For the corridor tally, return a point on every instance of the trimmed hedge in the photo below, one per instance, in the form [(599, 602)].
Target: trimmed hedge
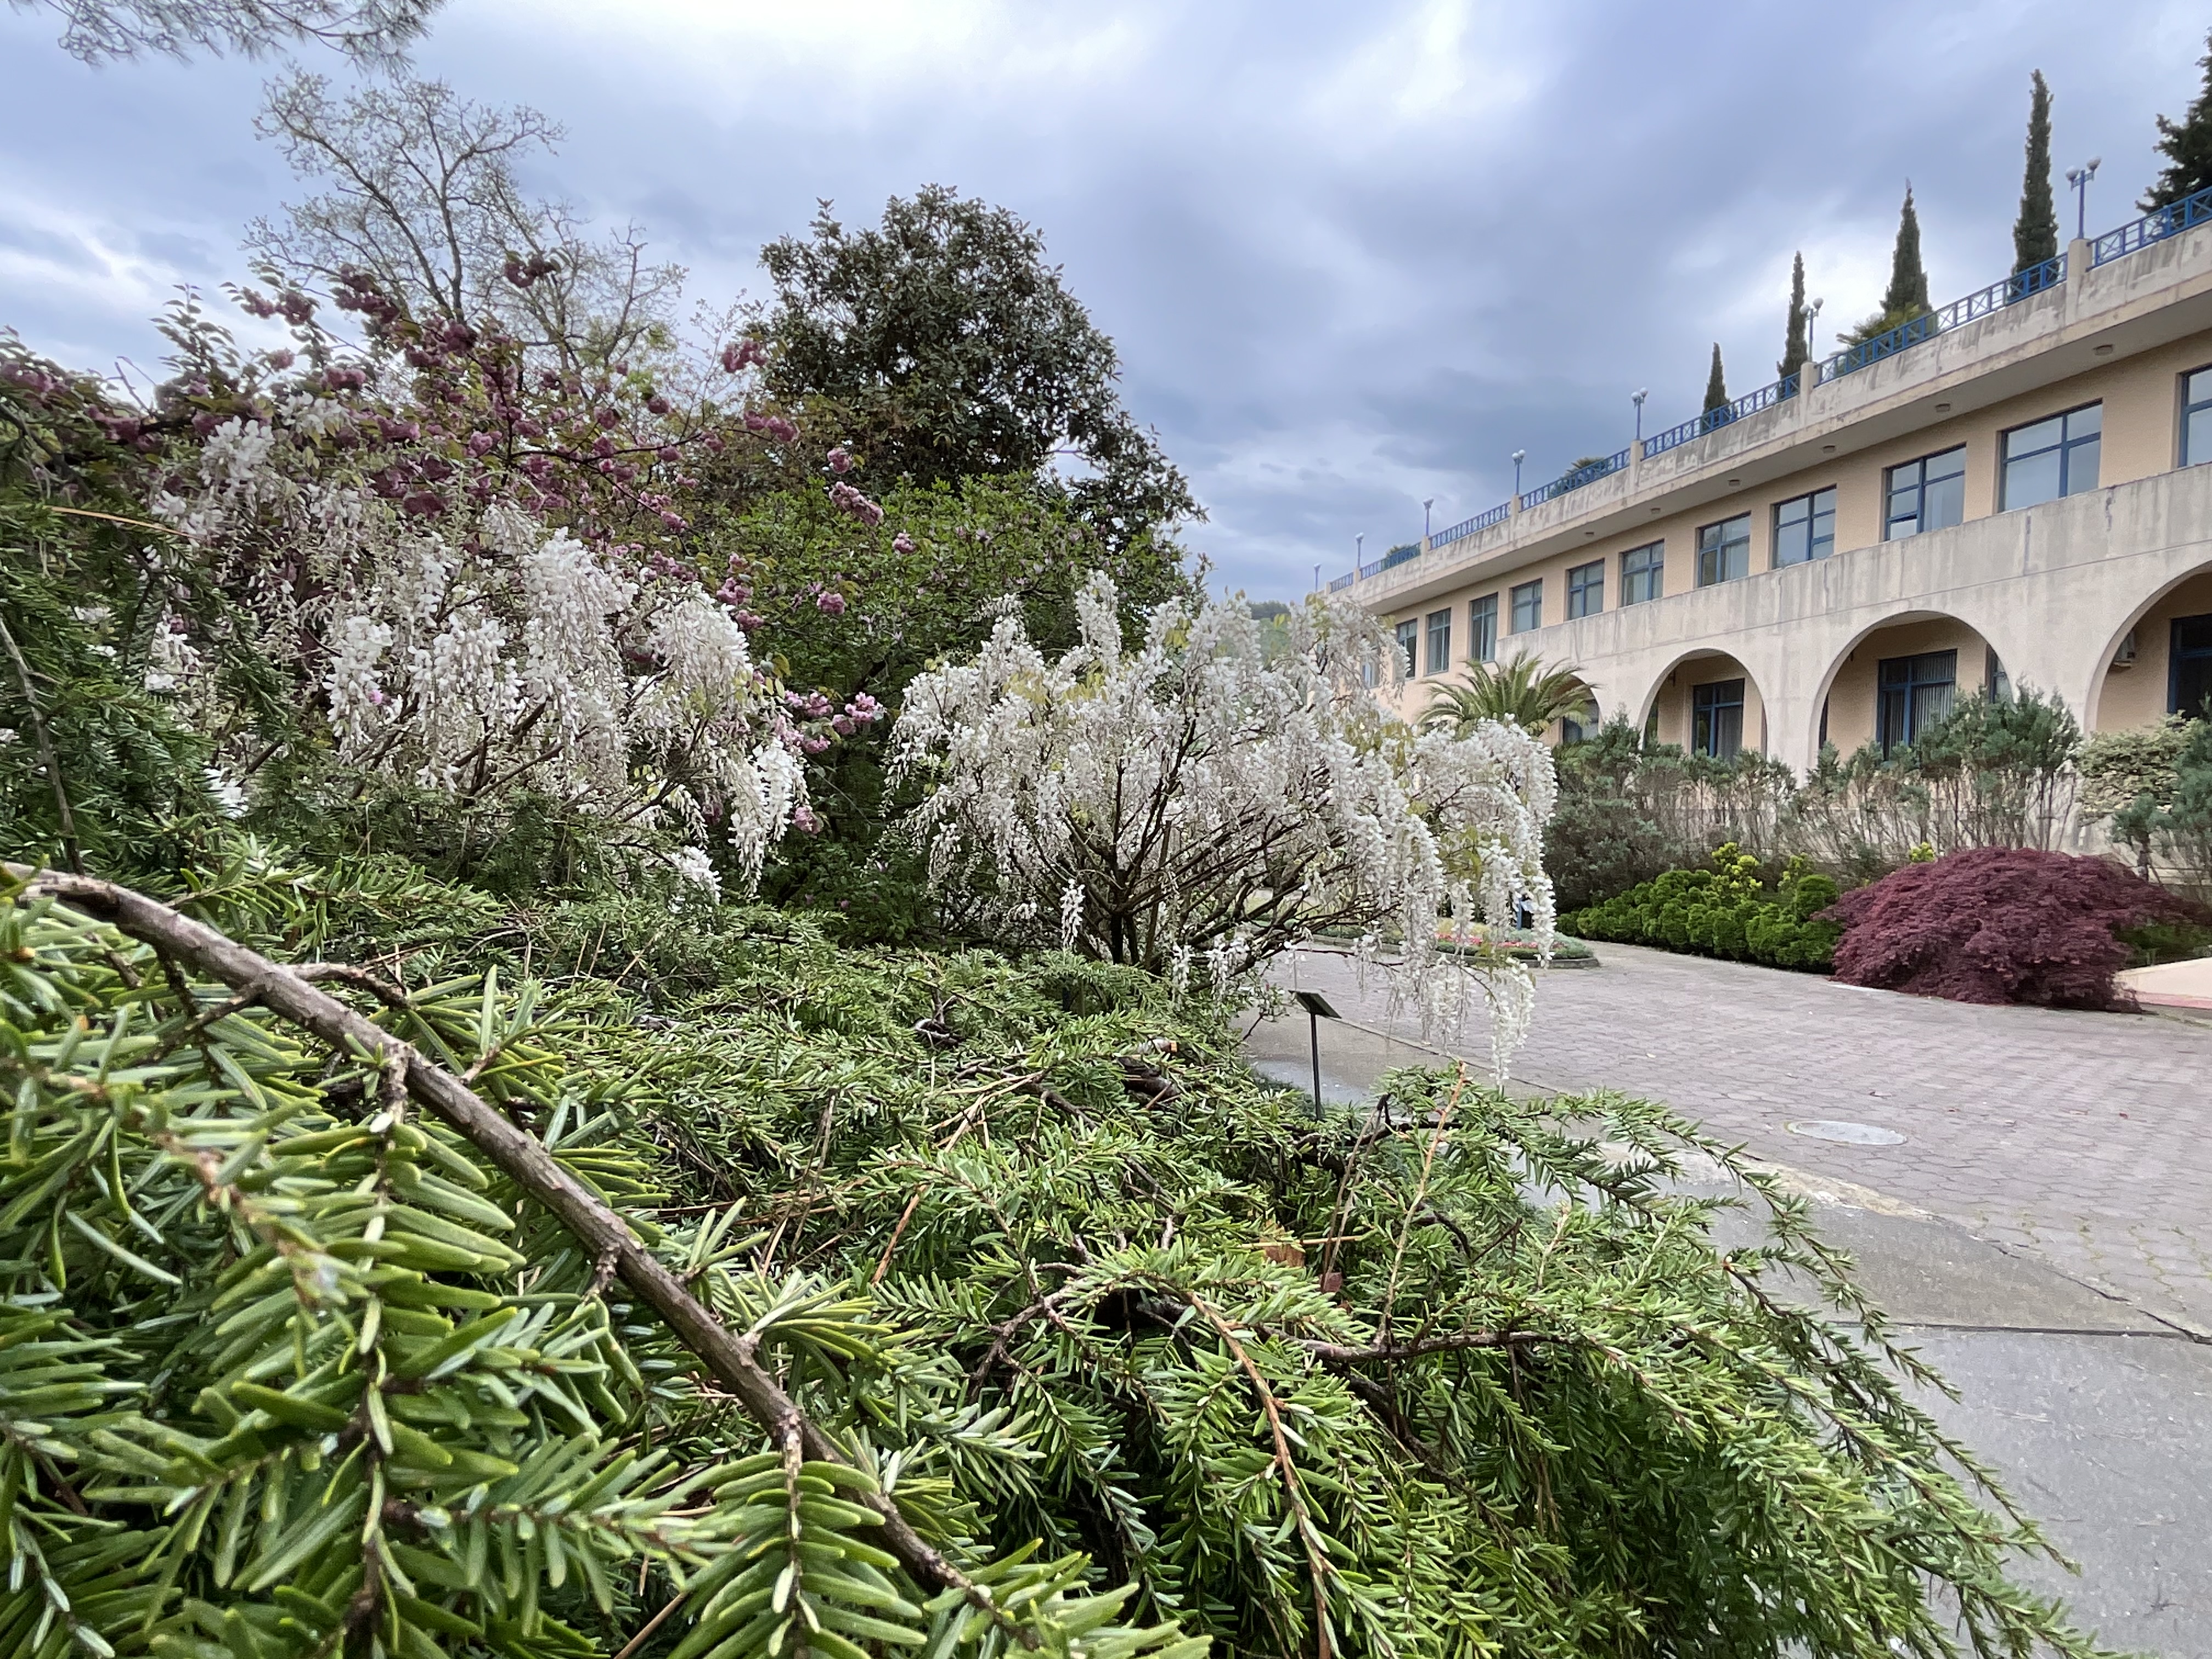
[(1724, 911)]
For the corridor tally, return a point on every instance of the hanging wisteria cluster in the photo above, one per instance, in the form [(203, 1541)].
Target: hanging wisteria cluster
[(1198, 799), (481, 572)]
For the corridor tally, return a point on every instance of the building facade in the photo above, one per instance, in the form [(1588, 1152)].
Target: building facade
[(2010, 493)]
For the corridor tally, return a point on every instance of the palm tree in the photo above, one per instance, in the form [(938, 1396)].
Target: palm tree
[(1521, 692)]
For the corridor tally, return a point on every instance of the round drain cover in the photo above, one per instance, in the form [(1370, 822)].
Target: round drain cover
[(1852, 1134)]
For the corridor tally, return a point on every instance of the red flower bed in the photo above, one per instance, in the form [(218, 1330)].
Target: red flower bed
[(1996, 925)]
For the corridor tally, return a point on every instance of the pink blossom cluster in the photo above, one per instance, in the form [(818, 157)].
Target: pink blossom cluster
[(774, 425), (862, 710), (847, 499), (741, 354)]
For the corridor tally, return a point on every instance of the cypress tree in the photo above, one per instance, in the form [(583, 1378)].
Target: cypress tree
[(1716, 385), (1907, 297), (1796, 346), (2187, 147), (2035, 233)]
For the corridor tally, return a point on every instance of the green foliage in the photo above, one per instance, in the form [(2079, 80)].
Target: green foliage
[(1993, 772), (947, 349), (287, 1369), (1629, 811), (2186, 144), (1906, 296), (1796, 346), (1521, 692), (2035, 233), (1724, 911), (1716, 395), (1095, 1305), (2176, 829)]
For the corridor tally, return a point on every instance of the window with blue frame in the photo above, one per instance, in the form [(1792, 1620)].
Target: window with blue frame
[(1586, 589), (1528, 606), (1914, 693), (1643, 573), (2189, 667), (1716, 719), (1482, 629), (1409, 640), (1929, 493), (2196, 417), (1724, 551), (1805, 528), (1439, 641), (2052, 457)]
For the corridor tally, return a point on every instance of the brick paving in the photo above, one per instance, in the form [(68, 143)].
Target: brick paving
[(2081, 1140)]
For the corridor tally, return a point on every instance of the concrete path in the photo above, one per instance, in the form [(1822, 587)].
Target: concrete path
[(2041, 1231), (2084, 1140)]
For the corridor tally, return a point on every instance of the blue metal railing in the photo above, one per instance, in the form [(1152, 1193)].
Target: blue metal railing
[(1473, 526), (1714, 419), (2153, 227), (1982, 303), (1575, 478)]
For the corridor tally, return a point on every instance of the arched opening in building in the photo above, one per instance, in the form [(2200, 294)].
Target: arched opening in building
[(1899, 677), (2161, 663), (1709, 704)]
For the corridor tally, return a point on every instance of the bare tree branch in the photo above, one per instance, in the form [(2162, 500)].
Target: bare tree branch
[(373, 33), (420, 191)]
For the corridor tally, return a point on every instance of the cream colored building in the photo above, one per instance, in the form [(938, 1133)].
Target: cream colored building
[(2012, 494)]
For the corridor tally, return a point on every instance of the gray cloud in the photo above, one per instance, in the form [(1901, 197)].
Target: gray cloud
[(1352, 257)]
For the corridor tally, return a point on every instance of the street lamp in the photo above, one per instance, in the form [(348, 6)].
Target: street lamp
[(1317, 1010), (2080, 178), (1425, 505), (1519, 456), (1357, 543), (1637, 397), (1813, 328)]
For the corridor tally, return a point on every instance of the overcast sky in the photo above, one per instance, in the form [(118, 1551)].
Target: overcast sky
[(1352, 256)]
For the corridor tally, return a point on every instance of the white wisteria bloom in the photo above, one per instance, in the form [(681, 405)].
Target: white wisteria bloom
[(1208, 796), (485, 654)]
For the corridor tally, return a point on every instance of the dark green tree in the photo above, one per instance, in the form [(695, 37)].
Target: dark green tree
[(1907, 297), (1907, 294), (946, 348), (2187, 146), (1797, 345), (2035, 233), (1715, 384)]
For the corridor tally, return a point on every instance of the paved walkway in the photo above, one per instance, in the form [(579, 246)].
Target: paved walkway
[(2081, 1140)]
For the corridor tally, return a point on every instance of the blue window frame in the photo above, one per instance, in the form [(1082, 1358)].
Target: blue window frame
[(1586, 589), (1929, 493), (1643, 573), (1716, 719), (2052, 457), (2196, 417), (1528, 606), (1724, 551), (1439, 641), (1805, 528), (1482, 629), (1915, 692), (2189, 667)]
